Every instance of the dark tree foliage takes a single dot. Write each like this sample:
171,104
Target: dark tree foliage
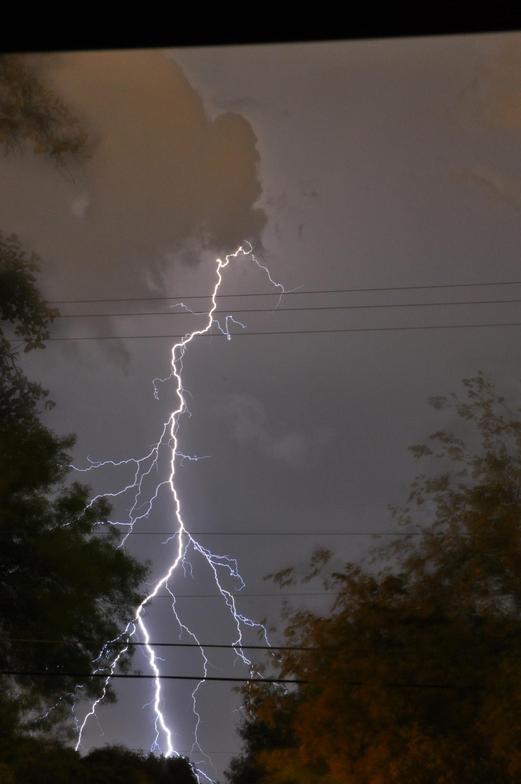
61,577
33,116
48,762
24,318
22,308
259,734
415,674
62,580
117,765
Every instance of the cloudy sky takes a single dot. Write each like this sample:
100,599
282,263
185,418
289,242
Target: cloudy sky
352,168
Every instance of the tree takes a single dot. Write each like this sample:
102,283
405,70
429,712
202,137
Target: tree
62,579
25,316
260,732
109,765
32,115
116,764
416,673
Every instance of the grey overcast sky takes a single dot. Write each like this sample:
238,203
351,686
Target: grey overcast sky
348,165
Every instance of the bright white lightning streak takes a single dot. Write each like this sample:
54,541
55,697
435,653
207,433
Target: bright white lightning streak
143,468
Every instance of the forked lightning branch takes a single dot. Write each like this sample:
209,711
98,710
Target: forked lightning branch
184,545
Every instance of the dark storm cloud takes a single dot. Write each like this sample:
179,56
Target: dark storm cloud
496,183
250,426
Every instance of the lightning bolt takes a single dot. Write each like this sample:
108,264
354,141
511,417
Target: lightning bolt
184,544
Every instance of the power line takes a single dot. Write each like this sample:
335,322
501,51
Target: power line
186,752
285,595
286,332
171,534
223,646
121,529
272,533
240,595
297,681
205,596
246,595
373,306
132,643
139,676
287,293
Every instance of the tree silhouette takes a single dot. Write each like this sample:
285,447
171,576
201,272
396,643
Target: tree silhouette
48,762
416,673
33,116
61,576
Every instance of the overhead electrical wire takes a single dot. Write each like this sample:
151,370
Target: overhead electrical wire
271,332
289,594
244,596
140,676
266,333
132,643
280,533
294,292
297,681
319,308
371,306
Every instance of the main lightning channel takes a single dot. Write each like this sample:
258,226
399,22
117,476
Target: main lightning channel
185,543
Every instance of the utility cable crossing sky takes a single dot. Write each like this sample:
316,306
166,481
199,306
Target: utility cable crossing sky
223,568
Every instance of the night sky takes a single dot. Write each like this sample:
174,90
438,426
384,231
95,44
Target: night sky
347,165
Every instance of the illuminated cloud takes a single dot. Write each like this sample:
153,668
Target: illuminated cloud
493,97
492,103
164,176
